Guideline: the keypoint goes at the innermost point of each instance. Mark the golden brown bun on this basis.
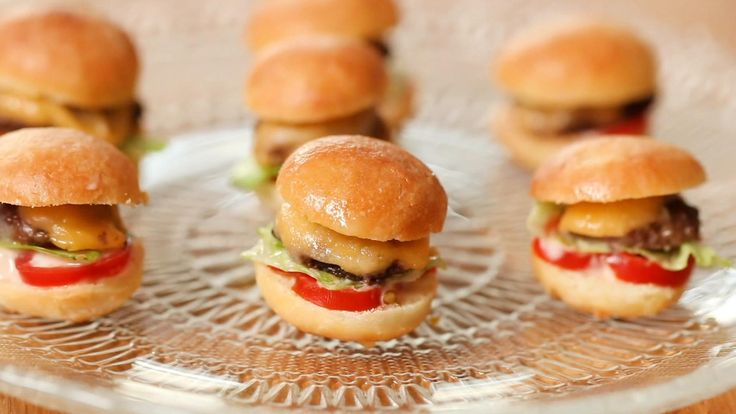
(398, 104)
(576, 62)
(601, 294)
(315, 79)
(414, 302)
(79, 302)
(615, 168)
(72, 58)
(54, 166)
(363, 187)
(528, 149)
(279, 20)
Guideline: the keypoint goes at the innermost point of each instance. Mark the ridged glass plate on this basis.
(199, 334)
(197, 337)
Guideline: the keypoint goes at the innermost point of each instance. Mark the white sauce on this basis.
(47, 260)
(8, 272)
(552, 247)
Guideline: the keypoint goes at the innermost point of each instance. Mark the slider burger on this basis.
(64, 251)
(304, 90)
(349, 255)
(66, 69)
(570, 80)
(276, 21)
(612, 234)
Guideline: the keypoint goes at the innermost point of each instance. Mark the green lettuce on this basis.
(84, 256)
(704, 256)
(399, 83)
(540, 215)
(678, 259)
(251, 175)
(675, 260)
(138, 146)
(270, 251)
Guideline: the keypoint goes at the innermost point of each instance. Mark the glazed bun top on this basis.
(615, 168)
(278, 20)
(72, 58)
(363, 187)
(576, 62)
(54, 166)
(315, 79)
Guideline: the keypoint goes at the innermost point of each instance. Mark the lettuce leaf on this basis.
(705, 256)
(137, 146)
(540, 215)
(84, 256)
(251, 175)
(399, 82)
(676, 260)
(270, 251)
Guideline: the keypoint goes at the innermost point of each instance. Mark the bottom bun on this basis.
(398, 104)
(79, 302)
(414, 302)
(599, 292)
(528, 149)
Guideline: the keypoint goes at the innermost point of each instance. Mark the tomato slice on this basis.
(570, 260)
(345, 299)
(638, 269)
(636, 125)
(627, 267)
(110, 264)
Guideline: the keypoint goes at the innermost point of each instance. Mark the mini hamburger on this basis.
(68, 69)
(349, 255)
(65, 253)
(306, 89)
(570, 80)
(613, 236)
(276, 21)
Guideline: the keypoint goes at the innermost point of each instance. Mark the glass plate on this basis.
(198, 332)
(197, 337)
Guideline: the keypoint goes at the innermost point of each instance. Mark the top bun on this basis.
(53, 166)
(278, 20)
(615, 168)
(315, 79)
(577, 62)
(363, 187)
(72, 58)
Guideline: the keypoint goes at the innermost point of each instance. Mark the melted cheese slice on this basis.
(112, 125)
(355, 255)
(74, 228)
(610, 219)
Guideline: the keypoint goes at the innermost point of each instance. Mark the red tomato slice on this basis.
(110, 264)
(636, 125)
(627, 267)
(638, 269)
(568, 260)
(345, 300)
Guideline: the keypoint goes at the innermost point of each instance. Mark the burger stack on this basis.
(348, 255)
(368, 21)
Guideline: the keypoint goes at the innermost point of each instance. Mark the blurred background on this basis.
(194, 60)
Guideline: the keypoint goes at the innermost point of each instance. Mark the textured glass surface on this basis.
(197, 337)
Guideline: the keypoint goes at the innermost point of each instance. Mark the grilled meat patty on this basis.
(568, 121)
(14, 228)
(680, 224)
